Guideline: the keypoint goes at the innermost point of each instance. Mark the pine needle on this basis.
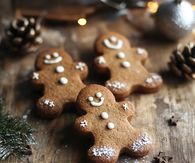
(15, 136)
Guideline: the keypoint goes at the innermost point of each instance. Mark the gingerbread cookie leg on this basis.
(103, 153)
(140, 54)
(140, 146)
(151, 84)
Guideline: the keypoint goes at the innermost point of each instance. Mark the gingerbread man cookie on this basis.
(124, 64)
(108, 122)
(61, 80)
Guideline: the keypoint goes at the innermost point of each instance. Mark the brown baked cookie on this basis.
(124, 64)
(108, 122)
(61, 80)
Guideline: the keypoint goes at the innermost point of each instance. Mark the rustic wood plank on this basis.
(56, 140)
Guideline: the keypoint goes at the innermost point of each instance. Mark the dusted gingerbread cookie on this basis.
(124, 64)
(108, 122)
(61, 80)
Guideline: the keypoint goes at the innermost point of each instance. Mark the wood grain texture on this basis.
(56, 140)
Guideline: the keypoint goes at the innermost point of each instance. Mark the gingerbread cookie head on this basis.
(108, 122)
(124, 65)
(60, 79)
(50, 57)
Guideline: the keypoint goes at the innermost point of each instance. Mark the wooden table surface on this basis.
(56, 140)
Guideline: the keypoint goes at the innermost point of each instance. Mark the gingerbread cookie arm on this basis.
(37, 78)
(82, 69)
(140, 54)
(127, 108)
(140, 146)
(151, 84)
(83, 125)
(101, 64)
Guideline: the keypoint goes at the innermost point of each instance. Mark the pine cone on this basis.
(23, 35)
(183, 61)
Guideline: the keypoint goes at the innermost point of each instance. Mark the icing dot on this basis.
(55, 54)
(90, 98)
(141, 51)
(125, 64)
(47, 56)
(104, 115)
(63, 80)
(110, 125)
(120, 55)
(99, 94)
(59, 69)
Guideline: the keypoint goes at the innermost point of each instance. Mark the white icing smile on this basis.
(52, 59)
(113, 43)
(93, 102)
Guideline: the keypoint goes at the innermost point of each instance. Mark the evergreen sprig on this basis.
(16, 136)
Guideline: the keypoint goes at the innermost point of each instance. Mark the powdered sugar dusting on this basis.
(116, 85)
(138, 144)
(103, 151)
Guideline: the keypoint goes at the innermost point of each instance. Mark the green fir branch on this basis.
(15, 136)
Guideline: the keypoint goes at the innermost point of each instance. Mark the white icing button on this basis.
(98, 94)
(59, 69)
(110, 125)
(63, 80)
(55, 54)
(90, 98)
(104, 115)
(120, 55)
(125, 64)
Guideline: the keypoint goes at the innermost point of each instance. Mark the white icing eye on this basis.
(55, 54)
(63, 80)
(98, 94)
(104, 115)
(120, 55)
(90, 98)
(59, 69)
(48, 56)
(125, 64)
(110, 125)
(113, 38)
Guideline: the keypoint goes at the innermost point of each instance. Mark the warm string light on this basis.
(82, 21)
(193, 7)
(153, 6)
